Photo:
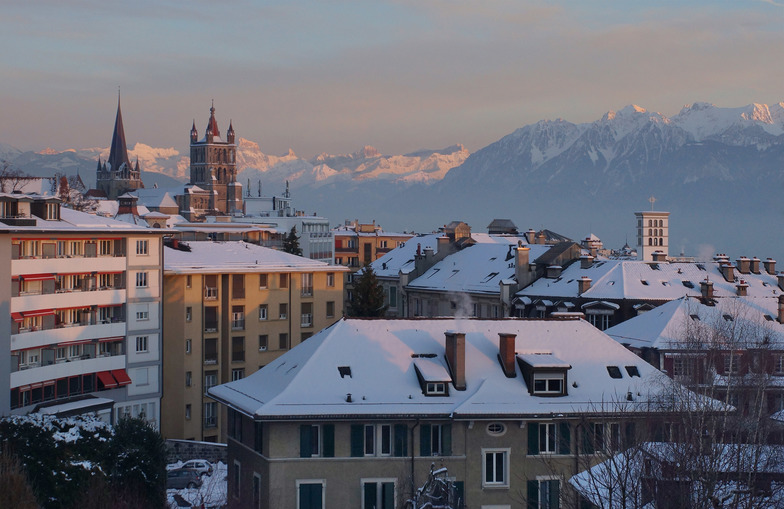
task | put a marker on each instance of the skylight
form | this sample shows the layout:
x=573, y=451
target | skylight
x=687, y=284
x=701, y=266
x=696, y=318
x=435, y=271
x=654, y=266
x=489, y=277
x=644, y=282
x=633, y=371
x=345, y=371
x=614, y=371
x=727, y=317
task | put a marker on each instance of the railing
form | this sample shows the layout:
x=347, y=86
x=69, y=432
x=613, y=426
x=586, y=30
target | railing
x=210, y=422
x=211, y=293
x=238, y=324
x=307, y=320
x=307, y=291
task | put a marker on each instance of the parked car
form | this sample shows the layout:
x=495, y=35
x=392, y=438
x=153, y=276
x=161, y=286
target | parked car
x=204, y=467
x=180, y=478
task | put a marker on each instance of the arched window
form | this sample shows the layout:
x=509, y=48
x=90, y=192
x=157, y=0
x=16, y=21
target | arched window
x=655, y=242
x=661, y=242
x=650, y=223
x=650, y=232
x=650, y=241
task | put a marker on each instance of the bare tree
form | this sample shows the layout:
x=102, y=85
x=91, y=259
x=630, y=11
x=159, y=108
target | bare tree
x=11, y=179
x=71, y=191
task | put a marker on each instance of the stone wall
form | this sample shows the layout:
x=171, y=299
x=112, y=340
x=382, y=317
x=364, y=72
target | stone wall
x=184, y=450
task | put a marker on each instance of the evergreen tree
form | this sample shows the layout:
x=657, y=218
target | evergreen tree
x=368, y=298
x=137, y=457
x=291, y=242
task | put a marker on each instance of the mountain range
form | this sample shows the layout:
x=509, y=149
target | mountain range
x=717, y=170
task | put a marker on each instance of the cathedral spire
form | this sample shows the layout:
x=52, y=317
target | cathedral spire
x=118, y=153
x=212, y=124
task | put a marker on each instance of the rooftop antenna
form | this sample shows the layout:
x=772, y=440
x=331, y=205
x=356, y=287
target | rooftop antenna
x=259, y=188
x=652, y=200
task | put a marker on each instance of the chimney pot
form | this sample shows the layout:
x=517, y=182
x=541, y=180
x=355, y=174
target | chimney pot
x=583, y=284
x=586, y=261
x=506, y=353
x=706, y=288
x=770, y=266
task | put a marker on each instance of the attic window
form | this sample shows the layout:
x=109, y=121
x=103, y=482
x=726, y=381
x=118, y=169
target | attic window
x=492, y=259
x=665, y=283
x=490, y=276
x=423, y=355
x=644, y=282
x=610, y=283
x=768, y=318
x=701, y=266
x=765, y=283
x=727, y=317
x=549, y=383
x=687, y=284
x=633, y=371
x=600, y=264
x=614, y=371
x=435, y=389
x=435, y=271
x=696, y=318
x=654, y=266
x=345, y=371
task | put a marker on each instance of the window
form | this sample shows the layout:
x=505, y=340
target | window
x=238, y=286
x=104, y=247
x=614, y=372
x=237, y=374
x=606, y=436
x=238, y=349
x=188, y=346
x=778, y=364
x=210, y=380
x=601, y=322
x=307, y=284
x=283, y=311
x=238, y=317
x=544, y=493
x=549, y=383
x=316, y=440
x=142, y=376
x=210, y=350
x=263, y=341
x=378, y=493
x=549, y=438
x=211, y=286
x=435, y=440
x=141, y=344
x=495, y=469
x=210, y=319
x=393, y=296
x=330, y=309
x=330, y=279
x=188, y=281
x=237, y=474
x=284, y=281
x=263, y=312
x=306, y=315
x=732, y=364
x=310, y=494
x=256, y=490
x=141, y=280
x=188, y=412
x=283, y=341
x=262, y=281
x=496, y=429
x=633, y=371
x=682, y=366
x=188, y=378
x=435, y=389
x=142, y=247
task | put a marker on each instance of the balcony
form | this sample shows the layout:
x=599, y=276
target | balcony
x=210, y=422
x=68, y=265
x=210, y=293
x=65, y=299
x=73, y=367
x=307, y=291
x=76, y=332
x=307, y=320
x=238, y=324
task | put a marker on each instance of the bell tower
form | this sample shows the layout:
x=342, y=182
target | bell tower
x=653, y=232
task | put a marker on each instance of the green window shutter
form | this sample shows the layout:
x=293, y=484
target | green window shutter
x=310, y=496
x=424, y=440
x=460, y=493
x=370, y=495
x=401, y=440
x=533, y=495
x=387, y=495
x=533, y=438
x=555, y=494
x=305, y=450
x=446, y=438
x=328, y=431
x=564, y=438
x=357, y=440
x=588, y=438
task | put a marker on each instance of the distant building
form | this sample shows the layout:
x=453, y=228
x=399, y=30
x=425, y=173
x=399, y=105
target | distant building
x=653, y=232
x=231, y=308
x=82, y=299
x=116, y=175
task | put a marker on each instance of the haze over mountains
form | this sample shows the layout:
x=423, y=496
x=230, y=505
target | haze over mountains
x=717, y=170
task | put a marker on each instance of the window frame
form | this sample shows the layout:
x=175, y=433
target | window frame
x=496, y=483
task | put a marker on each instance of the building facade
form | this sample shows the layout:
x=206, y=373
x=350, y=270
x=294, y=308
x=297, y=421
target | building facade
x=231, y=308
x=83, y=295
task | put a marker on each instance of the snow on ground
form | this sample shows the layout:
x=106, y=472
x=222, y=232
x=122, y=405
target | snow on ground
x=211, y=494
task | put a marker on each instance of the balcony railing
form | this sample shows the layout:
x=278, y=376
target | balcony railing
x=210, y=293
x=307, y=320
x=238, y=324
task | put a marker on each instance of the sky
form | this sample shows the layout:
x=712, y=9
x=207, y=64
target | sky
x=333, y=76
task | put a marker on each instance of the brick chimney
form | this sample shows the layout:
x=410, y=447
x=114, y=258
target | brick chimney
x=728, y=271
x=455, y=358
x=742, y=288
x=754, y=265
x=553, y=271
x=522, y=266
x=586, y=261
x=781, y=309
x=506, y=353
x=770, y=266
x=583, y=284
x=743, y=264
x=706, y=288
x=540, y=238
x=531, y=235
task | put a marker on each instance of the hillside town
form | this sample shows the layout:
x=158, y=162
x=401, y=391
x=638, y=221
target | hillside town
x=284, y=359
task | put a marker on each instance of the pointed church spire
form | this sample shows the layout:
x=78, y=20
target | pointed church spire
x=212, y=124
x=118, y=153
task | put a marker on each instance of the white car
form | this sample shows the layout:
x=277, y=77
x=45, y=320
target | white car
x=203, y=467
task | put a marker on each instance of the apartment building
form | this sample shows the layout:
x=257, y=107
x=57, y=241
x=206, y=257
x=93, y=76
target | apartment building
x=231, y=308
x=82, y=312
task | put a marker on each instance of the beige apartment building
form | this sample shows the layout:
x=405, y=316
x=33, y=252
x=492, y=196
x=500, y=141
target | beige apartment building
x=231, y=308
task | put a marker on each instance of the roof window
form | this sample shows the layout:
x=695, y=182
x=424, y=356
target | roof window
x=727, y=317
x=701, y=266
x=768, y=318
x=644, y=282
x=435, y=389
x=345, y=371
x=696, y=318
x=687, y=284
x=654, y=266
x=633, y=371
x=614, y=371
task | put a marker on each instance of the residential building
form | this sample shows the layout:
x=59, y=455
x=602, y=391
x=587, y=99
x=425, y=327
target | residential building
x=231, y=308
x=82, y=298
x=116, y=175
x=357, y=414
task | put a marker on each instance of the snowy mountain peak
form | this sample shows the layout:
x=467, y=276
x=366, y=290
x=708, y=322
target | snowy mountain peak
x=366, y=152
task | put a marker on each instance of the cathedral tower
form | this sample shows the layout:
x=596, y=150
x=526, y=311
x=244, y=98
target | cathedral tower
x=214, y=167
x=117, y=175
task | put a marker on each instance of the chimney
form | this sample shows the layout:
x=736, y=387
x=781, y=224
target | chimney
x=770, y=266
x=754, y=265
x=780, y=279
x=743, y=264
x=742, y=288
x=455, y=358
x=706, y=287
x=441, y=243
x=781, y=309
x=586, y=261
x=522, y=267
x=553, y=271
x=531, y=236
x=728, y=270
x=659, y=256
x=583, y=284
x=540, y=238
x=506, y=353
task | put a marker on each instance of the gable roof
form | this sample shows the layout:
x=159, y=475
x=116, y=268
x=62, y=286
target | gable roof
x=306, y=383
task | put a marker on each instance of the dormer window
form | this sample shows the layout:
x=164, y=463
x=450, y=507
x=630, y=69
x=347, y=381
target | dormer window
x=433, y=376
x=551, y=384
x=435, y=389
x=544, y=374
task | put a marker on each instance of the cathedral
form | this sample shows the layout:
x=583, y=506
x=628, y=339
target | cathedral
x=117, y=176
x=213, y=188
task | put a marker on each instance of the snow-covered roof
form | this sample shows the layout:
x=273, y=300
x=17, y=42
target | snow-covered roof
x=475, y=269
x=642, y=280
x=381, y=355
x=678, y=324
x=208, y=257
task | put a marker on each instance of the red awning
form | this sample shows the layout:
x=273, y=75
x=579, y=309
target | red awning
x=38, y=312
x=17, y=317
x=106, y=379
x=106, y=340
x=36, y=277
x=79, y=342
x=121, y=376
